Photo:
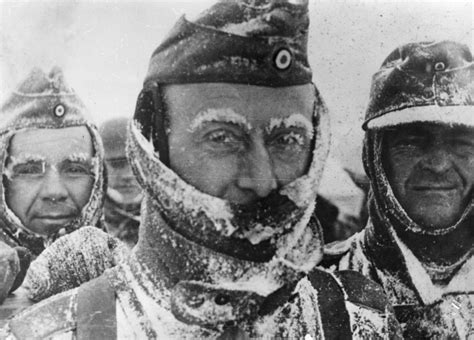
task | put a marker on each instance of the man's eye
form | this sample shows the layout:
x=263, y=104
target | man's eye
x=467, y=142
x=222, y=137
x=463, y=146
x=76, y=169
x=28, y=169
x=289, y=139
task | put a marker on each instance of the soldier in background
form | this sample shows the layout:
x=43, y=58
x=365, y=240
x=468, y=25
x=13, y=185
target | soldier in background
x=419, y=156
x=124, y=195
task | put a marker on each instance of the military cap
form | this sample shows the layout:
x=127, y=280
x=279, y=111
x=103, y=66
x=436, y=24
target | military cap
x=256, y=42
x=423, y=82
x=43, y=101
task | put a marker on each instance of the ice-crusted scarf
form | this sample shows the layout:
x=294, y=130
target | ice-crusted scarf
x=46, y=102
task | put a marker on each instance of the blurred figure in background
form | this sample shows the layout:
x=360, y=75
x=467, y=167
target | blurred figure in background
x=124, y=195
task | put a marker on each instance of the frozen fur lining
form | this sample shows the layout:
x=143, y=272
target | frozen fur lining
x=462, y=114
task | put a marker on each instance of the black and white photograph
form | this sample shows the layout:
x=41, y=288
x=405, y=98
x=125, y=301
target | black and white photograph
x=237, y=169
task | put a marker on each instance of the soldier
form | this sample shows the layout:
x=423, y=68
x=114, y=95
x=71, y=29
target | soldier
x=419, y=156
x=124, y=195
x=52, y=166
x=228, y=142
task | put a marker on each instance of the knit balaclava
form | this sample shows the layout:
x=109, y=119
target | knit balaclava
x=45, y=101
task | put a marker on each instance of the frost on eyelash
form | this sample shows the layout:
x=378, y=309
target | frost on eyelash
x=295, y=120
x=80, y=157
x=227, y=115
x=296, y=136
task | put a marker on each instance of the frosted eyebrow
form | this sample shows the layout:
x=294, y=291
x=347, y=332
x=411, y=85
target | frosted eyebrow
x=25, y=158
x=79, y=157
x=296, y=120
x=225, y=115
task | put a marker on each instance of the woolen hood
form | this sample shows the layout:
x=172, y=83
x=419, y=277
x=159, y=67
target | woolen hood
x=45, y=101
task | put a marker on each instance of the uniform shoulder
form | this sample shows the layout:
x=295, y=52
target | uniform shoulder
x=355, y=287
x=361, y=290
x=57, y=314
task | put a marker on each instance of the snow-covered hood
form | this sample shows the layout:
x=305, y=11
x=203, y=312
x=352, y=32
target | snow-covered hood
x=419, y=82
x=213, y=223
x=46, y=102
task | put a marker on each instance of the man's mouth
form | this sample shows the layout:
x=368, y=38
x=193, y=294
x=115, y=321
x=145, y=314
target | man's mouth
x=127, y=188
x=434, y=187
x=55, y=219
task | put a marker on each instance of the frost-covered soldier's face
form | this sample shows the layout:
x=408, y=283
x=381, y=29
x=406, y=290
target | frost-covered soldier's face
x=431, y=170
x=49, y=176
x=239, y=142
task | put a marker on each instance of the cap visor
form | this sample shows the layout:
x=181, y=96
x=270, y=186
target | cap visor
x=451, y=115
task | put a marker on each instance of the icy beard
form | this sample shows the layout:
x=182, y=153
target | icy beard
x=274, y=227
x=386, y=203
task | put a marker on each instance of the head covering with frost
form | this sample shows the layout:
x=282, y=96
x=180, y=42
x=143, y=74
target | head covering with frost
x=258, y=42
x=189, y=236
x=418, y=82
x=190, y=239
x=423, y=82
x=205, y=238
x=45, y=101
x=122, y=216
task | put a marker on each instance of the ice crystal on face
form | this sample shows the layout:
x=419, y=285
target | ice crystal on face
x=296, y=120
x=225, y=115
x=302, y=190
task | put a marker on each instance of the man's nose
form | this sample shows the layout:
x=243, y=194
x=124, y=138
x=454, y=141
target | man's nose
x=257, y=172
x=53, y=187
x=127, y=178
x=437, y=159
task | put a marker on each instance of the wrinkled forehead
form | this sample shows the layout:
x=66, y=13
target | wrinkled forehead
x=244, y=104
x=52, y=144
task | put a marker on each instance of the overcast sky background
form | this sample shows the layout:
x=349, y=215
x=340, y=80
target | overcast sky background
x=104, y=48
